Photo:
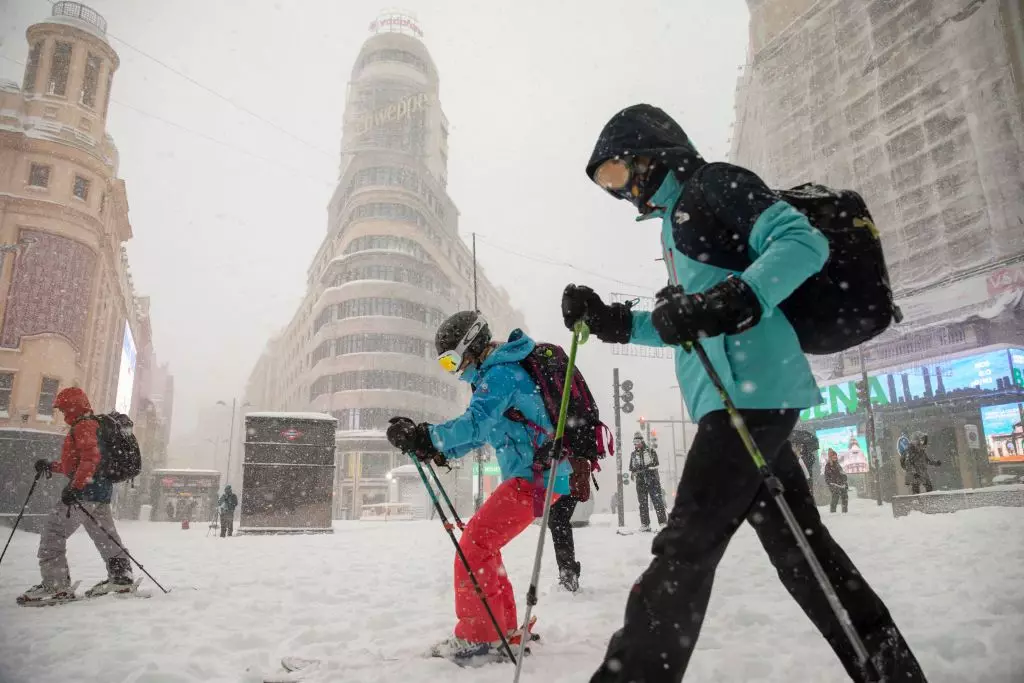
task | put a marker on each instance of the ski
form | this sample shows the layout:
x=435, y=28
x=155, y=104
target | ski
x=132, y=592
x=49, y=602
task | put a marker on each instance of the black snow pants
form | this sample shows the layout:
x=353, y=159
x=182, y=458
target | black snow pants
x=719, y=488
x=648, y=485
x=559, y=522
x=840, y=493
x=227, y=523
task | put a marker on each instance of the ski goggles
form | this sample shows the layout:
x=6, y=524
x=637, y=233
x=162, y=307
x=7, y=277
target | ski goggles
x=451, y=361
x=625, y=178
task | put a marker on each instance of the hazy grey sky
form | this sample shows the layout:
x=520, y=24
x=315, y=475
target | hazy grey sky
x=228, y=216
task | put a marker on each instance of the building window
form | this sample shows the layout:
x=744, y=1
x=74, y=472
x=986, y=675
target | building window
x=106, y=95
x=92, y=80
x=59, y=69
x=47, y=395
x=6, y=387
x=38, y=175
x=81, y=189
x=32, y=68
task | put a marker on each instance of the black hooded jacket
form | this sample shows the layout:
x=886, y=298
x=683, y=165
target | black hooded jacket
x=714, y=216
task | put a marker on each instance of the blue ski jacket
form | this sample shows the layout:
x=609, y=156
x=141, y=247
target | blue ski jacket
x=502, y=383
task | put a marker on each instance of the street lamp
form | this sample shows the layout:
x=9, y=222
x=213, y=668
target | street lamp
x=231, y=437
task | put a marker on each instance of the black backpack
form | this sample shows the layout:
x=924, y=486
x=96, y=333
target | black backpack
x=849, y=301
x=586, y=440
x=120, y=456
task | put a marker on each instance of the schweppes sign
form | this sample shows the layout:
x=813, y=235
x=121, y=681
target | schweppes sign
x=398, y=111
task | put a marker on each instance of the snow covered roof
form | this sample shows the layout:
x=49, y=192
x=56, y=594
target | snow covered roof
x=22, y=430
x=403, y=470
x=294, y=416
x=360, y=434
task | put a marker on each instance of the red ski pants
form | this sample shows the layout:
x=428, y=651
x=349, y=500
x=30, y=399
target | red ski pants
x=503, y=516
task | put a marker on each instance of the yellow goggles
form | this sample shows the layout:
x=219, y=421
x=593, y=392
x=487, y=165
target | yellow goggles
x=614, y=174
x=450, y=361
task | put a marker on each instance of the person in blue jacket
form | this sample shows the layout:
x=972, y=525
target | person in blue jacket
x=500, y=385
x=734, y=251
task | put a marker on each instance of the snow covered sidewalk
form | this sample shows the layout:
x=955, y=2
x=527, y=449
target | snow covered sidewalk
x=371, y=598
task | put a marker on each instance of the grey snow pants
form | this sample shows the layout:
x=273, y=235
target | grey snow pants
x=53, y=558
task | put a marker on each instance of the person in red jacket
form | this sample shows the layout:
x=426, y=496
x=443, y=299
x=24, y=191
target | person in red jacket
x=80, y=456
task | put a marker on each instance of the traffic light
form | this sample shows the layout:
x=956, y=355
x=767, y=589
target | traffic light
x=862, y=395
x=654, y=439
x=627, y=397
x=643, y=420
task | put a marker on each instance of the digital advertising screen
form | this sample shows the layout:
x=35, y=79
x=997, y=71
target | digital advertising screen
x=851, y=448
x=1004, y=437
x=936, y=378
x=126, y=373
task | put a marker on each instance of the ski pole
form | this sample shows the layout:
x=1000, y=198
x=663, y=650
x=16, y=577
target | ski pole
x=444, y=494
x=776, y=489
x=580, y=334
x=115, y=541
x=21, y=514
x=462, y=556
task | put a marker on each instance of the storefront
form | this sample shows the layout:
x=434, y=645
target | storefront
x=970, y=404
x=185, y=494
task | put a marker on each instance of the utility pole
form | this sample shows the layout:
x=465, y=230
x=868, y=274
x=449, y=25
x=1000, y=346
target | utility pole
x=623, y=402
x=864, y=397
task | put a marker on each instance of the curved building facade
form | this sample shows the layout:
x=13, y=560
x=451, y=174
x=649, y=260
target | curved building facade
x=390, y=268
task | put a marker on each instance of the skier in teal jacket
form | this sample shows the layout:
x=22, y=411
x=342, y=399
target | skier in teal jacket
x=734, y=251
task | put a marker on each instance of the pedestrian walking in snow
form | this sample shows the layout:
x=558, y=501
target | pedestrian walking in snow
x=227, y=504
x=80, y=456
x=714, y=216
x=805, y=445
x=915, y=461
x=643, y=468
x=500, y=386
x=560, y=525
x=837, y=482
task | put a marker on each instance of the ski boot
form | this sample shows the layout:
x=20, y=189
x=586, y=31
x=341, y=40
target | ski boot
x=569, y=577
x=43, y=592
x=119, y=579
x=467, y=653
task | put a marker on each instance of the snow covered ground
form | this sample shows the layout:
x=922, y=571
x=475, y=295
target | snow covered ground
x=373, y=596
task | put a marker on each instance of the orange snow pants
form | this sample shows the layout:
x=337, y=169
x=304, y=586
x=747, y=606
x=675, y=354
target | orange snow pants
x=503, y=516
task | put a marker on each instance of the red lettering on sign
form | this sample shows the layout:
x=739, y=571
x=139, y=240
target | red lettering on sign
x=1005, y=279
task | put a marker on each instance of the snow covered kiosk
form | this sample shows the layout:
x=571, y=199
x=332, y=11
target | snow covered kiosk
x=288, y=473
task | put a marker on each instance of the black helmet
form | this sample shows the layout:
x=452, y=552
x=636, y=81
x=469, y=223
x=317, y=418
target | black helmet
x=466, y=332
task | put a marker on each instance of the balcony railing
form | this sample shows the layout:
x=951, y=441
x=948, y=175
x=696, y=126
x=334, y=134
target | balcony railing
x=77, y=10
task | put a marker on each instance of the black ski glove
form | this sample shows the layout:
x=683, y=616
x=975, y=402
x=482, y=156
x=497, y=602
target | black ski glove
x=414, y=439
x=613, y=324
x=42, y=466
x=730, y=307
x=69, y=495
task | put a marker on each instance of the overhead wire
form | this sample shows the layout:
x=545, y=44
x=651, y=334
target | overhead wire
x=218, y=95
x=209, y=138
x=560, y=264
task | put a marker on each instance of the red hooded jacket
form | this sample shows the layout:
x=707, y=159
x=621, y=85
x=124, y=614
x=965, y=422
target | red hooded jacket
x=81, y=452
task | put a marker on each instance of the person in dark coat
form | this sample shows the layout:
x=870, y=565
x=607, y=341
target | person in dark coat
x=836, y=480
x=806, y=446
x=915, y=461
x=643, y=468
x=645, y=158
x=227, y=504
